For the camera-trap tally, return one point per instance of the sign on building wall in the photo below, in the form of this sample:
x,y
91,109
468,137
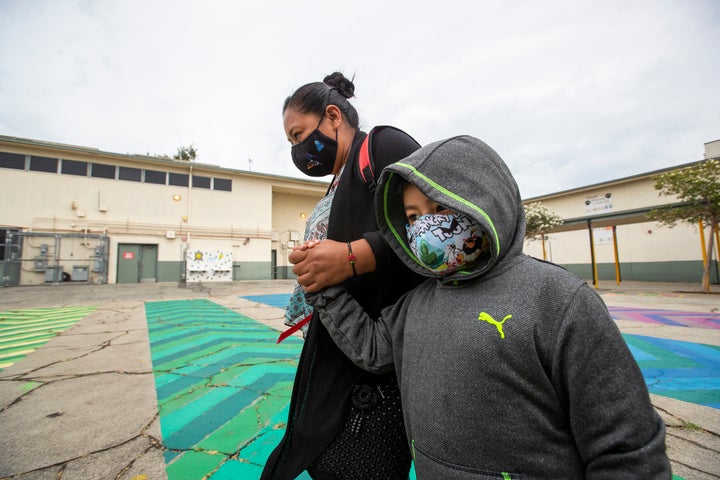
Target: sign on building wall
x,y
603,235
599,204
209,265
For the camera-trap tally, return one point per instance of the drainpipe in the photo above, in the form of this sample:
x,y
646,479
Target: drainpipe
x,y
189,199
183,275
57,260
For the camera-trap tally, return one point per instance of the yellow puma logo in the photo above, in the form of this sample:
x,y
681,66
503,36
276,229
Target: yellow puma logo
x,y
485,317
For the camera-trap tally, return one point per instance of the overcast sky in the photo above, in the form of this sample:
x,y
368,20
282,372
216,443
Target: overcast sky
x,y
570,93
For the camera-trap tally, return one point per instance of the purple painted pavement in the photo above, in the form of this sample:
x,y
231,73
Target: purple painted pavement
x,y
667,317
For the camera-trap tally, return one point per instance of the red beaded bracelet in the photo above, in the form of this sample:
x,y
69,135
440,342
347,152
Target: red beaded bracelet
x,y
352,258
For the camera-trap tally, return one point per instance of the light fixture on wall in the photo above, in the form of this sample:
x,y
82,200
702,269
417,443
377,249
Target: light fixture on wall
x,y
177,197
303,215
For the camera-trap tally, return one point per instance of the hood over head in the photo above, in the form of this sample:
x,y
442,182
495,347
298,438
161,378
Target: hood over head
x,y
467,176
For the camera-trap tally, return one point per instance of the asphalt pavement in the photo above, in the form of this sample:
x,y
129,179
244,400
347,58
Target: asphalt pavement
x,y
81,392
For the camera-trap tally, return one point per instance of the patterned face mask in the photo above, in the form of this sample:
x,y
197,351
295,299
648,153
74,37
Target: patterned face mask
x,y
446,243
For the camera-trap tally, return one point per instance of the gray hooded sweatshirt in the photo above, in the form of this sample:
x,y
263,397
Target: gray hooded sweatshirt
x,y
511,370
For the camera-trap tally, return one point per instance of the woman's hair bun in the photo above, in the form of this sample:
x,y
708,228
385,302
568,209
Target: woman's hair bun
x,y
337,80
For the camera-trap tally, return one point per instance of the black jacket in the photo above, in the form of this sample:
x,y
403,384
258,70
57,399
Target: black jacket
x,y
325,377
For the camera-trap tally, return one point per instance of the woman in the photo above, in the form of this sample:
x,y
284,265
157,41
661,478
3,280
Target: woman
x,y
343,423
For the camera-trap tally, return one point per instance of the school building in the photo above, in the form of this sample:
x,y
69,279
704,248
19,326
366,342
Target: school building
x,y
606,235
79,214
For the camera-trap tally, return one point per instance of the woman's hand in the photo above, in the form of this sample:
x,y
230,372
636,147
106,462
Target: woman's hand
x,y
305,246
320,264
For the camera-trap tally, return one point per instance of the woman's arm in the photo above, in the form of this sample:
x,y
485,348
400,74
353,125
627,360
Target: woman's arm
x,y
325,263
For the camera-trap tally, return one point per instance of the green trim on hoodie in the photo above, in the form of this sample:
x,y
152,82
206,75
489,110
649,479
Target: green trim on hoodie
x,y
401,239
445,192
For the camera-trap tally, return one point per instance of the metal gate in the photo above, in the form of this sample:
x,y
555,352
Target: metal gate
x,y
10,254
48,257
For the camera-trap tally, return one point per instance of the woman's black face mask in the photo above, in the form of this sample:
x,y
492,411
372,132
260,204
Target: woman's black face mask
x,y
315,156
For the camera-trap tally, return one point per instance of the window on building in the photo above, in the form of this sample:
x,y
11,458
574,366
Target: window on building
x,y
201,182
179,179
130,174
100,170
154,176
12,160
73,167
43,164
224,184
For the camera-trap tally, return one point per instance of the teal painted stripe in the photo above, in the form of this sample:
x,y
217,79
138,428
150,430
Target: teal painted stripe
x,y
253,374
174,421
223,386
681,370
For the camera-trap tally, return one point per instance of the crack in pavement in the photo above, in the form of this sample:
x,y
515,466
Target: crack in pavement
x,y
154,444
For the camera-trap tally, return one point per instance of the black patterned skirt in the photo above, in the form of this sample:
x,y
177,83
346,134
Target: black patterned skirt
x,y
372,444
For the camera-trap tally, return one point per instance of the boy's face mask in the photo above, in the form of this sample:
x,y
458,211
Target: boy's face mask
x,y
315,156
446,243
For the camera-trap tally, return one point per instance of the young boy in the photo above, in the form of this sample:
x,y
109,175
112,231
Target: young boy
x,y
509,367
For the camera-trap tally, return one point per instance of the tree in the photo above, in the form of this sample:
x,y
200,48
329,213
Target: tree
x,y
539,220
697,187
187,154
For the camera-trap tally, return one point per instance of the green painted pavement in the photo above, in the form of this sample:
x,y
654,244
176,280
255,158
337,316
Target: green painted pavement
x,y
24,331
223,387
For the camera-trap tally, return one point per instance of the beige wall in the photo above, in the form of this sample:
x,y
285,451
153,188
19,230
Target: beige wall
x,y
623,196
288,225
246,220
635,244
639,241
712,149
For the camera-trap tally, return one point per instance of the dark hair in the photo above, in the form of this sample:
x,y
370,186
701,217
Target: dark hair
x,y
314,97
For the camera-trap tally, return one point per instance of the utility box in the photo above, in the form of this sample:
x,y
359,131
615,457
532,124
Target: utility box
x,y
39,263
53,274
97,265
80,273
